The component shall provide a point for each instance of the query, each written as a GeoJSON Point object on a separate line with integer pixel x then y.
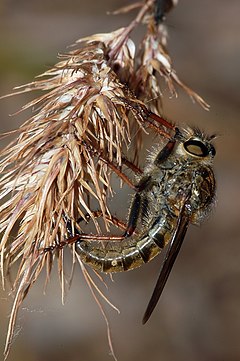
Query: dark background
{"type": "Point", "coordinates": [198, 317]}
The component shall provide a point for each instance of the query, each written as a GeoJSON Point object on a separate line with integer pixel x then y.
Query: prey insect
{"type": "Point", "coordinates": [176, 188]}
{"type": "Point", "coordinates": [161, 8]}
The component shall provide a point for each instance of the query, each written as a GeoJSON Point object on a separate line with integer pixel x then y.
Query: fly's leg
{"type": "Point", "coordinates": [75, 235]}
{"type": "Point", "coordinates": [137, 209]}
{"type": "Point", "coordinates": [133, 216]}
{"type": "Point", "coordinates": [125, 252]}
{"type": "Point", "coordinates": [165, 152]}
{"type": "Point", "coordinates": [148, 117]}
{"type": "Point", "coordinates": [96, 214]}
{"type": "Point", "coordinates": [140, 202]}
{"type": "Point", "coordinates": [160, 121]}
{"type": "Point", "coordinates": [113, 166]}
{"type": "Point", "coordinates": [131, 166]}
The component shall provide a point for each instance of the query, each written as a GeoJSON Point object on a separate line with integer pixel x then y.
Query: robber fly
{"type": "Point", "coordinates": [176, 188]}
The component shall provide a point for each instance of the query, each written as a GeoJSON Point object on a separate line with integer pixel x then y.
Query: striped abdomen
{"type": "Point", "coordinates": [132, 252]}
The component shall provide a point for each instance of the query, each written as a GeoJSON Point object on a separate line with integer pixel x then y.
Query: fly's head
{"type": "Point", "coordinates": [197, 153]}
{"type": "Point", "coordinates": [194, 146]}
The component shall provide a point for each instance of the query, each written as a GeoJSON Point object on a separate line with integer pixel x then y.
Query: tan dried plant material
{"type": "Point", "coordinates": [60, 164]}
{"type": "Point", "coordinates": [152, 62]}
{"type": "Point", "coordinates": [156, 64]}
{"type": "Point", "coordinates": [52, 171]}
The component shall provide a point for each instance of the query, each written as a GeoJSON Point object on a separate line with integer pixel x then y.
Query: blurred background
{"type": "Point", "coordinates": [198, 316]}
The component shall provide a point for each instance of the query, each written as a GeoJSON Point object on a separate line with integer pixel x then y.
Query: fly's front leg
{"type": "Point", "coordinates": [146, 116]}
{"type": "Point", "coordinates": [116, 169]}
{"type": "Point", "coordinates": [165, 152]}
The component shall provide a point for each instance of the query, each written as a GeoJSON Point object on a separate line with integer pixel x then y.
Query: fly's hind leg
{"type": "Point", "coordinates": [139, 205]}
{"type": "Point", "coordinates": [138, 208]}
{"type": "Point", "coordinates": [75, 235]}
{"type": "Point", "coordinates": [72, 232]}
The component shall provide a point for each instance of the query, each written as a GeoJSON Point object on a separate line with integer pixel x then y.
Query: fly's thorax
{"type": "Point", "coordinates": [202, 193]}
{"type": "Point", "coordinates": [186, 175]}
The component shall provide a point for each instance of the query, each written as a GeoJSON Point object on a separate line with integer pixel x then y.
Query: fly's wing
{"type": "Point", "coordinates": [168, 262]}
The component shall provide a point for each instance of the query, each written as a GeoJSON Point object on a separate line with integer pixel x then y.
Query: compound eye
{"type": "Point", "coordinates": [196, 147]}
